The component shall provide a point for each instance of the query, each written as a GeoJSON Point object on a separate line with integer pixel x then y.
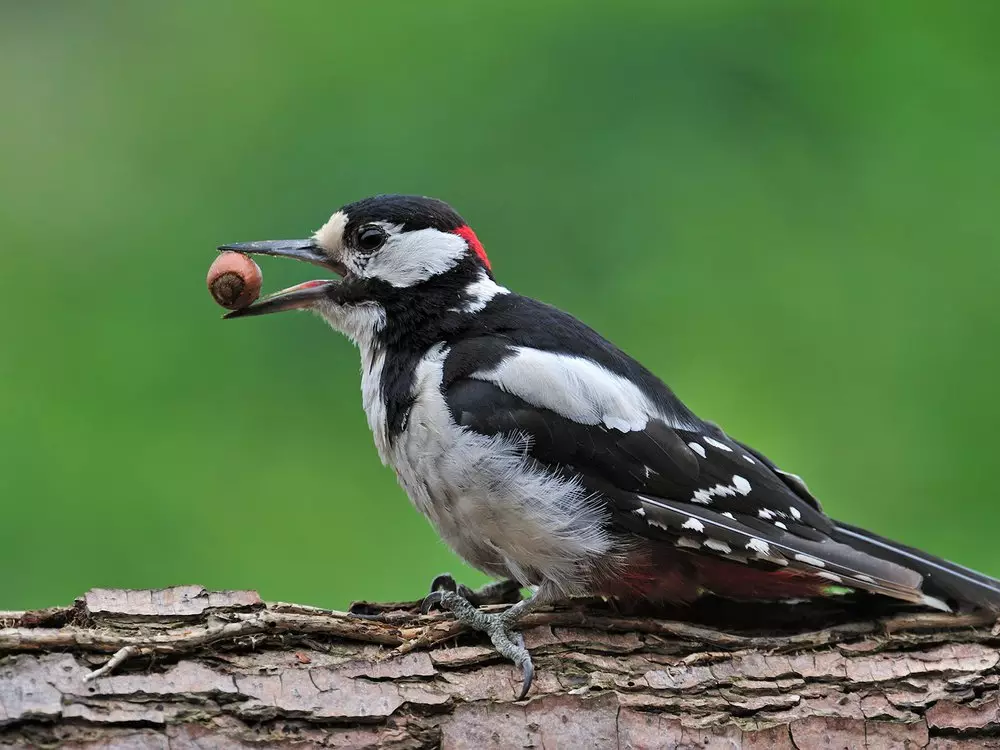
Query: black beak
{"type": "Point", "coordinates": [295, 297]}
{"type": "Point", "coordinates": [306, 250]}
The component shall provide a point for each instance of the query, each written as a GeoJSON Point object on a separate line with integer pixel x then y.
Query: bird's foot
{"type": "Point", "coordinates": [497, 592]}
{"type": "Point", "coordinates": [498, 626]}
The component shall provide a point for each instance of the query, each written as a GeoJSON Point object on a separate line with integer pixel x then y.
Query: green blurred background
{"type": "Point", "coordinates": [786, 209]}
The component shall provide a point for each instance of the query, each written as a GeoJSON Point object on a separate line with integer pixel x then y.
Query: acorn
{"type": "Point", "coordinates": [234, 280]}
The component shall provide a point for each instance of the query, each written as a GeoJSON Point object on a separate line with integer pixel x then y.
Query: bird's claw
{"type": "Point", "coordinates": [430, 600]}
{"type": "Point", "coordinates": [527, 668]}
{"type": "Point", "coordinates": [498, 626]}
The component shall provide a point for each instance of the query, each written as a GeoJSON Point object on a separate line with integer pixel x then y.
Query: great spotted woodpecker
{"type": "Point", "coordinates": [544, 454]}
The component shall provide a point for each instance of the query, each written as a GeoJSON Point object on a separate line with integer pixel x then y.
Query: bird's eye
{"type": "Point", "coordinates": [371, 238]}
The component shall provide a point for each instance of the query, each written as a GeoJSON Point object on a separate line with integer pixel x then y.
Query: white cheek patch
{"type": "Point", "coordinates": [572, 387]}
{"type": "Point", "coordinates": [409, 258]}
{"type": "Point", "coordinates": [330, 236]}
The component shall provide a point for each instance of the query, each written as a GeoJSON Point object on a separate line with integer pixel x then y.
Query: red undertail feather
{"type": "Point", "coordinates": [673, 576]}
{"type": "Point", "coordinates": [739, 581]}
{"type": "Point", "coordinates": [466, 233]}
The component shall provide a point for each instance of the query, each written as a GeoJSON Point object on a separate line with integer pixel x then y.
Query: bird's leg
{"type": "Point", "coordinates": [498, 626]}
{"type": "Point", "coordinates": [496, 592]}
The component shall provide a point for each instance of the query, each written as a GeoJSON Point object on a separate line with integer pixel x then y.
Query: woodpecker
{"type": "Point", "coordinates": [546, 456]}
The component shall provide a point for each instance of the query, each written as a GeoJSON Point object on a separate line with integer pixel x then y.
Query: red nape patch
{"type": "Point", "coordinates": [466, 233]}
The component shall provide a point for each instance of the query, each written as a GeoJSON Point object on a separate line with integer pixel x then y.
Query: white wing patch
{"type": "Point", "coordinates": [573, 387]}
{"type": "Point", "coordinates": [693, 524]}
{"type": "Point", "coordinates": [716, 444]}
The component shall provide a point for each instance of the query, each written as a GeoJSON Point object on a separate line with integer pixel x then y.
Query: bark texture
{"type": "Point", "coordinates": [189, 668]}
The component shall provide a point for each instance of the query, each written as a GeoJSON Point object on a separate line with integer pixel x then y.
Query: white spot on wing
{"type": "Point", "coordinates": [748, 459]}
{"type": "Point", "coordinates": [686, 541]}
{"type": "Point", "coordinates": [795, 512]}
{"type": "Point", "coordinates": [810, 560]}
{"type": "Point", "coordinates": [693, 524]}
{"type": "Point", "coordinates": [716, 444]}
{"type": "Point", "coordinates": [718, 546]}
{"type": "Point", "coordinates": [830, 576]}
{"type": "Point", "coordinates": [698, 448]}
{"type": "Point", "coordinates": [704, 497]}
{"type": "Point", "coordinates": [741, 484]}
{"type": "Point", "coordinates": [780, 525]}
{"type": "Point", "coordinates": [639, 511]}
{"type": "Point", "coordinates": [766, 514]}
{"type": "Point", "coordinates": [727, 514]}
{"type": "Point", "coordinates": [759, 546]}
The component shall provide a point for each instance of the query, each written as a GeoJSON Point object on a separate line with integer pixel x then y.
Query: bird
{"type": "Point", "coordinates": [549, 459]}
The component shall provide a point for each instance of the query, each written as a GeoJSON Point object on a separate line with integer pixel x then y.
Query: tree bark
{"type": "Point", "coordinates": [188, 668]}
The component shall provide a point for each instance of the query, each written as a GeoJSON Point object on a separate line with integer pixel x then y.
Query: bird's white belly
{"type": "Point", "coordinates": [496, 507]}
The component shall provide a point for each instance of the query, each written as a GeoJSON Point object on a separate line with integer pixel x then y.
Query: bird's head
{"type": "Point", "coordinates": [387, 249]}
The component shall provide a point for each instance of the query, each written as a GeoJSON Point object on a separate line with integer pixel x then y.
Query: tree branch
{"type": "Point", "coordinates": [185, 667]}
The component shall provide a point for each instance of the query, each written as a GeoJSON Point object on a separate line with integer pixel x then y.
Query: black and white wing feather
{"type": "Point", "coordinates": [664, 473]}
{"type": "Point", "coordinates": [657, 486]}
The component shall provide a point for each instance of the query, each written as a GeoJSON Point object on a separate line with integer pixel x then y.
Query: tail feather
{"type": "Point", "coordinates": [829, 560]}
{"type": "Point", "coordinates": [961, 587]}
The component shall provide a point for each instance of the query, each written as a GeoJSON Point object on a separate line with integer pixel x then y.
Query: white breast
{"type": "Point", "coordinates": [488, 499]}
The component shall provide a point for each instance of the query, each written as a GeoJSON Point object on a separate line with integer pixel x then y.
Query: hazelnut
{"type": "Point", "coordinates": [234, 280]}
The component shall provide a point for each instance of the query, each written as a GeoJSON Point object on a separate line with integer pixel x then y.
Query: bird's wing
{"type": "Point", "coordinates": [680, 481]}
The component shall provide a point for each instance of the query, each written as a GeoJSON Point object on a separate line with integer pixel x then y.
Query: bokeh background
{"type": "Point", "coordinates": [788, 210]}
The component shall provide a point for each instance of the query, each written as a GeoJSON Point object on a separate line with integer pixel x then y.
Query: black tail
{"type": "Point", "coordinates": [960, 587]}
